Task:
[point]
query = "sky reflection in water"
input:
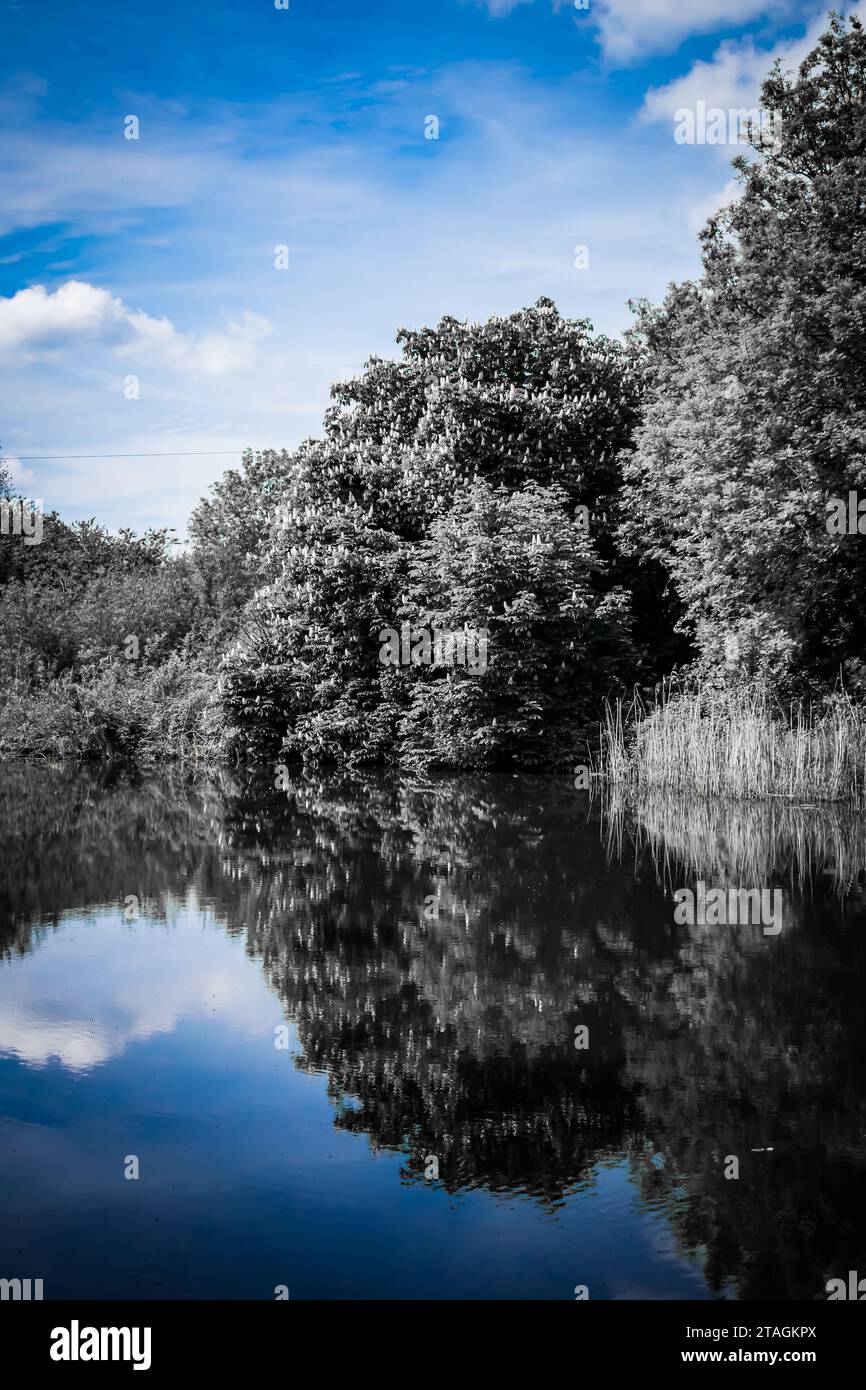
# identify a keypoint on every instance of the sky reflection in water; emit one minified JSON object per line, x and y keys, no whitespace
{"x":446,"y":1033}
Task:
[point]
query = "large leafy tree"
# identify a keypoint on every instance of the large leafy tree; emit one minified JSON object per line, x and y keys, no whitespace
{"x":755,"y":404}
{"x":436,"y":475}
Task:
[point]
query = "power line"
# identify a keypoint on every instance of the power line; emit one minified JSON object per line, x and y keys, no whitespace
{"x":180,"y":454}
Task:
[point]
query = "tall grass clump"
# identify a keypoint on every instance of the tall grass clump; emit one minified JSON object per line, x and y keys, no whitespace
{"x":736,"y":741}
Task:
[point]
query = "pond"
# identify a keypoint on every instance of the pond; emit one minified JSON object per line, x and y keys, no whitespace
{"x":375,"y":1039}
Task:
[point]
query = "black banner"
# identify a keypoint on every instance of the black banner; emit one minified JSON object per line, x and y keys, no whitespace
{"x":166,"y":1339}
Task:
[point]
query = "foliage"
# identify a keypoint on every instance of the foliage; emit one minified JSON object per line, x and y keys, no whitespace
{"x":71,"y":684}
{"x":518,"y":567}
{"x":115,"y":711}
{"x":446,"y":488}
{"x":228,"y":530}
{"x":755,"y":408}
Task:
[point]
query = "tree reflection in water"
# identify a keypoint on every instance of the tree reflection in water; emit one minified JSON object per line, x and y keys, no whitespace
{"x":437,"y":945}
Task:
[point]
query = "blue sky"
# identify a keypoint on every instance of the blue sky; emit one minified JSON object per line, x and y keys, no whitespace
{"x":155,"y":258}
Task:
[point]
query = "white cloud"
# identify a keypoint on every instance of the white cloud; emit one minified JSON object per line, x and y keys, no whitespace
{"x":700,"y":211}
{"x":633,"y":29}
{"x":497,"y":8}
{"x":630,"y":30}
{"x":732,"y":78}
{"x":214,"y":354}
{"x":37,"y":322}
{"x":133,"y":993}
{"x":34,"y":318}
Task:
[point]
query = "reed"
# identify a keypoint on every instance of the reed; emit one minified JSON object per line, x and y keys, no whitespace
{"x":736,"y":741}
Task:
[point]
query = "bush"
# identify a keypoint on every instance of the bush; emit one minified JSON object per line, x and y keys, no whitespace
{"x":116,"y":711}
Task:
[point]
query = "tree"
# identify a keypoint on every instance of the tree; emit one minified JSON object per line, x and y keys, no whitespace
{"x":755,"y":393}
{"x":519,"y":422}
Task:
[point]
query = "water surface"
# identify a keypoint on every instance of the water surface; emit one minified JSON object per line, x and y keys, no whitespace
{"x":429,"y":1129}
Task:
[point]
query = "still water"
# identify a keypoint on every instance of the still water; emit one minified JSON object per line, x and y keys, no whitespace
{"x":334,"y":1029}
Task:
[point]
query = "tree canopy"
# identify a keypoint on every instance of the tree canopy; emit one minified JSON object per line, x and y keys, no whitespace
{"x":754,"y":412}
{"x":471,"y":484}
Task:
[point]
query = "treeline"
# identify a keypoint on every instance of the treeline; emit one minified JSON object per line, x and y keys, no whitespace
{"x":103,"y":645}
{"x":601,"y":512}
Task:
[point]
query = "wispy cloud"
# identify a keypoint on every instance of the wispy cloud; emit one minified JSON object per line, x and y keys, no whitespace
{"x":498,"y":8}
{"x":383,"y":227}
{"x":157,"y":256}
{"x":630,"y":31}
{"x":732,"y":77}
